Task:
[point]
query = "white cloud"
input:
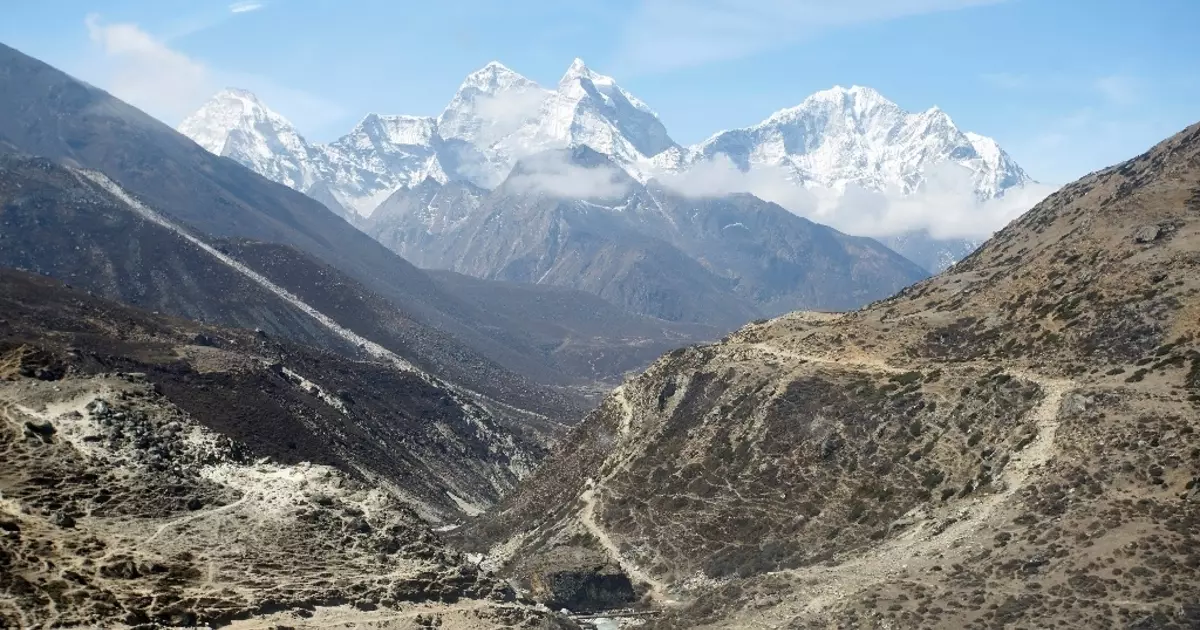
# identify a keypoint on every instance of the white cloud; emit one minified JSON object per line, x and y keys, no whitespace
{"x":553,"y":174}
{"x":719,"y":176}
{"x":507,"y":111}
{"x":142,"y":70}
{"x":667,"y":34}
{"x":946,"y":205}
{"x":1120,"y":90}
{"x":245,"y":7}
{"x":146,"y":72}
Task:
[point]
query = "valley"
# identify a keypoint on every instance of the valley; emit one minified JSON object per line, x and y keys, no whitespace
{"x":948,"y":457}
{"x":531,"y":363}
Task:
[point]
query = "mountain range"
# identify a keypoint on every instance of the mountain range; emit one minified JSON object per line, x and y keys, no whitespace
{"x":573,"y":218}
{"x":1011,"y":443}
{"x":221,"y":405}
{"x":838,"y":138}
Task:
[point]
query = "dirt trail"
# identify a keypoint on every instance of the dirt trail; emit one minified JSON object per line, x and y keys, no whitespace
{"x":194,"y":517}
{"x":348,"y":617}
{"x":587,"y":516}
{"x":929,"y":535}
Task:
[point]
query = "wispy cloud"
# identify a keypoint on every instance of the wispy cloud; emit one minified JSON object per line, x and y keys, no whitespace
{"x":945,"y":205}
{"x":664,"y":35}
{"x":1067,"y":146}
{"x":1122,"y":90}
{"x":246,"y":6}
{"x":552,"y":173}
{"x":144,"y":71}
{"x":147,"y":72}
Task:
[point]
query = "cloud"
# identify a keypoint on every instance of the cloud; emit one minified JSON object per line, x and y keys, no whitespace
{"x":664,"y":35}
{"x":1072,"y":144}
{"x":1119,"y":90}
{"x":245,"y":6}
{"x":719,"y":176}
{"x":142,"y":70}
{"x":553,"y":174}
{"x":507,"y":111}
{"x":946,"y":205}
{"x":146,"y":72}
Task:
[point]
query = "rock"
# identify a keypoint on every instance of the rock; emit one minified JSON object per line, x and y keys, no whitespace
{"x":44,"y":429}
{"x":1147,"y":234}
{"x":1075,"y":404}
{"x":123,"y":569}
{"x":201,"y":339}
{"x":584,"y":588}
{"x":194,"y":504}
{"x":62,"y":519}
{"x":829,"y":446}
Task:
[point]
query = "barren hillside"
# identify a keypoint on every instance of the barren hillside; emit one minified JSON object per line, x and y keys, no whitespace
{"x":1010,"y":443}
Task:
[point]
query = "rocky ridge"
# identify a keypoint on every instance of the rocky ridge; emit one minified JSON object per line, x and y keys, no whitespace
{"x":720,"y":261}
{"x":162,"y":472}
{"x":834,"y":139}
{"x":291,"y":238}
{"x":1010,"y":442}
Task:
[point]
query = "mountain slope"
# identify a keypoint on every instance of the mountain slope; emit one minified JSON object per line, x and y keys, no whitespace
{"x":574,"y":219}
{"x":855,"y":137}
{"x":64,"y":225}
{"x":162,"y":472}
{"x":955,"y":456}
{"x":158,"y":267}
{"x":49,"y":114}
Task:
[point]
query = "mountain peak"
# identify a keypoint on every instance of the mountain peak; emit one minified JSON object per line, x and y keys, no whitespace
{"x":856,"y":94}
{"x":237,"y":93}
{"x":577,"y":69}
{"x":493,"y":77}
{"x":234,"y":123}
{"x":227,"y":111}
{"x":392,"y":129}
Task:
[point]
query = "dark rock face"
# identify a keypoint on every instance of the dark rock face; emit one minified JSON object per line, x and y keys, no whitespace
{"x":63,"y":229}
{"x":721,"y":261}
{"x":242,"y":482}
{"x":399,"y":425}
{"x":584,"y":589}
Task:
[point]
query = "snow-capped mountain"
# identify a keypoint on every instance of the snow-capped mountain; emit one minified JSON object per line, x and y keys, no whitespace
{"x":381,"y":153}
{"x":834,"y":139}
{"x":498,"y":116}
{"x":854,"y":135}
{"x":494,"y":119}
{"x":235,"y":124}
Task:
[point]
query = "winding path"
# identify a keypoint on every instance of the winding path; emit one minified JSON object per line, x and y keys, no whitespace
{"x":587,"y":516}
{"x":194,"y":517}
{"x":928,"y":536}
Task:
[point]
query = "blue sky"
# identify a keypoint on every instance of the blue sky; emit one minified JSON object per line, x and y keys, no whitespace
{"x":1066,"y":86}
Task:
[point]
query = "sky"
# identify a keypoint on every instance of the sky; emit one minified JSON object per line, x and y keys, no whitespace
{"x":1065,"y":86}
